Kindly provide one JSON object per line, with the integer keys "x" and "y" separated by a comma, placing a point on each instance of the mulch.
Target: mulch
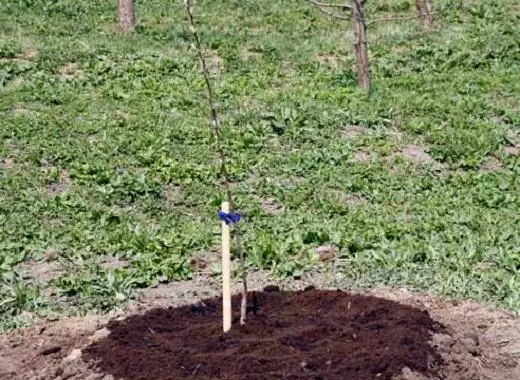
{"x": 309, "y": 334}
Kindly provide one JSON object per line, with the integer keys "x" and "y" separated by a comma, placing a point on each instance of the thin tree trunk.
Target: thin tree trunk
{"x": 360, "y": 35}
{"x": 425, "y": 11}
{"x": 125, "y": 16}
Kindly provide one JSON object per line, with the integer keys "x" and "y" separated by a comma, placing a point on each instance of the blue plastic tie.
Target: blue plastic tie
{"x": 229, "y": 218}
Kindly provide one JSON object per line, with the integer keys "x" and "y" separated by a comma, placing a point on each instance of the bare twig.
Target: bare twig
{"x": 329, "y": 13}
{"x": 327, "y": 5}
{"x": 349, "y": 8}
{"x": 213, "y": 108}
{"x": 399, "y": 18}
{"x": 215, "y": 121}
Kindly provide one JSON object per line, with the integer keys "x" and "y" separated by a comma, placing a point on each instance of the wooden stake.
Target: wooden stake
{"x": 226, "y": 206}
{"x": 226, "y": 272}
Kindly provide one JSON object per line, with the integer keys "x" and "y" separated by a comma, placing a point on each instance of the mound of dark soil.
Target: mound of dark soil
{"x": 289, "y": 335}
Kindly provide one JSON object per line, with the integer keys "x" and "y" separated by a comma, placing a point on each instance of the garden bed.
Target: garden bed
{"x": 305, "y": 334}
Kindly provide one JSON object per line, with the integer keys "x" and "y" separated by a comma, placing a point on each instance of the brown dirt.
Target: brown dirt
{"x": 351, "y": 132}
{"x": 215, "y": 63}
{"x": 350, "y": 199}
{"x": 114, "y": 263}
{"x": 18, "y": 81}
{"x": 492, "y": 164}
{"x": 30, "y": 54}
{"x": 61, "y": 185}
{"x": 291, "y": 183}
{"x": 40, "y": 271}
{"x": 6, "y": 163}
{"x": 287, "y": 70}
{"x": 326, "y": 253}
{"x": 512, "y": 150}
{"x": 364, "y": 157}
{"x": 332, "y": 61}
{"x": 172, "y": 195}
{"x": 19, "y": 109}
{"x": 271, "y": 206}
{"x": 327, "y": 334}
{"x": 416, "y": 154}
{"x": 307, "y": 334}
{"x": 70, "y": 70}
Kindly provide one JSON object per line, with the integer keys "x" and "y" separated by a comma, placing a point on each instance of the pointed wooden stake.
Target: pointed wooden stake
{"x": 226, "y": 272}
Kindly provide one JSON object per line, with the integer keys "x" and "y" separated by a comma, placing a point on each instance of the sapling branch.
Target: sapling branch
{"x": 327, "y": 5}
{"x": 323, "y": 8}
{"x": 370, "y": 22}
{"x": 215, "y": 121}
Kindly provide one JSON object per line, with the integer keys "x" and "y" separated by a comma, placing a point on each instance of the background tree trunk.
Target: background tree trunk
{"x": 362, "y": 62}
{"x": 425, "y": 10}
{"x": 125, "y": 16}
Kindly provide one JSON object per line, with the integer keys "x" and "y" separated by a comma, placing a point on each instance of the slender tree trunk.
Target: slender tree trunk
{"x": 425, "y": 10}
{"x": 360, "y": 35}
{"x": 125, "y": 16}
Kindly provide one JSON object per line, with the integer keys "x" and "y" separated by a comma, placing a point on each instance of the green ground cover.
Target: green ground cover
{"x": 107, "y": 156}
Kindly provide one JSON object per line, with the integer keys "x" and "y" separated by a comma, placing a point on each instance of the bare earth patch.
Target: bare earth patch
{"x": 415, "y": 154}
{"x": 70, "y": 71}
{"x": 512, "y": 150}
{"x": 351, "y": 132}
{"x": 477, "y": 343}
{"x": 40, "y": 271}
{"x": 484, "y": 340}
{"x": 172, "y": 195}
{"x": 206, "y": 262}
{"x": 514, "y": 138}
{"x": 18, "y": 81}
{"x": 6, "y": 163}
{"x": 214, "y": 62}
{"x": 271, "y": 206}
{"x": 114, "y": 263}
{"x": 333, "y": 61}
{"x": 19, "y": 109}
{"x": 492, "y": 164}
{"x": 353, "y": 199}
{"x": 51, "y": 255}
{"x": 61, "y": 185}
{"x": 291, "y": 183}
{"x": 30, "y": 54}
{"x": 363, "y": 157}
{"x": 327, "y": 253}
{"x": 350, "y": 199}
{"x": 288, "y": 70}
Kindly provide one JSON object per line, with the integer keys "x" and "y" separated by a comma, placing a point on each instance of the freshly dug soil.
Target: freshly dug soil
{"x": 308, "y": 334}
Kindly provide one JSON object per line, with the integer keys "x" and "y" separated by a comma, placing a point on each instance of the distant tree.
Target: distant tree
{"x": 360, "y": 43}
{"x": 426, "y": 13}
{"x": 125, "y": 16}
{"x": 357, "y": 15}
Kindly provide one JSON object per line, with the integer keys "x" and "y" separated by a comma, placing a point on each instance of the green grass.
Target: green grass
{"x": 94, "y": 128}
